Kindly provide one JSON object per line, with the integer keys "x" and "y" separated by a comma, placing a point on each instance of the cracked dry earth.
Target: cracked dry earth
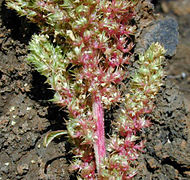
{"x": 26, "y": 115}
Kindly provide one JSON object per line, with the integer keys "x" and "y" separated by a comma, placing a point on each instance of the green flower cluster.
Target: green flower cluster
{"x": 145, "y": 84}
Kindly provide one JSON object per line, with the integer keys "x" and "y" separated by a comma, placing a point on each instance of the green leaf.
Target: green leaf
{"x": 51, "y": 135}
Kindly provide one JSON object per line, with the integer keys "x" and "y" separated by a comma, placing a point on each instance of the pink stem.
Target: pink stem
{"x": 99, "y": 144}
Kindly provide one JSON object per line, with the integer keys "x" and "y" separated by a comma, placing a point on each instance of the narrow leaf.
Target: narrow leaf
{"x": 51, "y": 135}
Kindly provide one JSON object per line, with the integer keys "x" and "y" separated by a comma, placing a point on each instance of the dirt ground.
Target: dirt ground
{"x": 26, "y": 115}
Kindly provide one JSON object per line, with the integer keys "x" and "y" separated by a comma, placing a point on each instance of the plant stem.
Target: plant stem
{"x": 99, "y": 144}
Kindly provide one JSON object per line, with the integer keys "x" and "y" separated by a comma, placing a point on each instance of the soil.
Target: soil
{"x": 26, "y": 115}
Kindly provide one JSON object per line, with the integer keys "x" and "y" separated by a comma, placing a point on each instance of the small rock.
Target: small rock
{"x": 5, "y": 169}
{"x": 152, "y": 163}
{"x": 33, "y": 161}
{"x": 164, "y": 31}
{"x": 42, "y": 112}
{"x": 158, "y": 146}
{"x": 22, "y": 169}
{"x": 13, "y": 123}
{"x": 12, "y": 108}
{"x": 187, "y": 173}
{"x": 21, "y": 113}
{"x": 25, "y": 126}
